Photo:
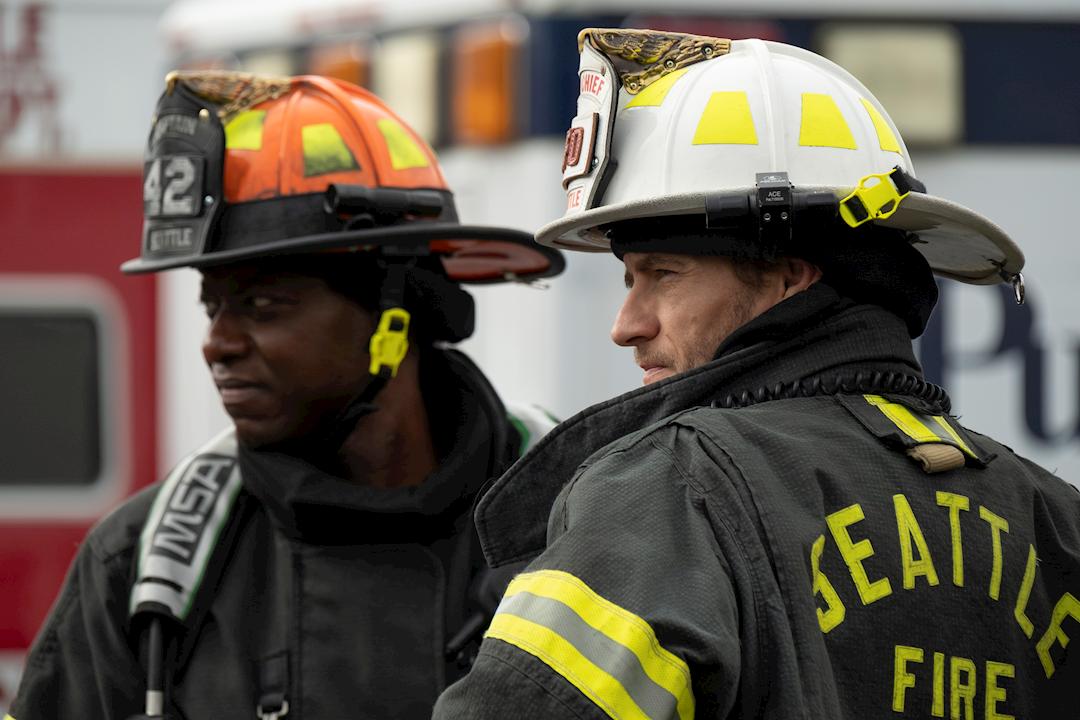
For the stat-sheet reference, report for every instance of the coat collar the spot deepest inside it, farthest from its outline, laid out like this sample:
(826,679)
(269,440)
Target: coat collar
(815,334)
(310,504)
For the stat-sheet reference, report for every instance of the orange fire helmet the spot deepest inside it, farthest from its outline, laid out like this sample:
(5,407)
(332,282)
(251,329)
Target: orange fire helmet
(240,166)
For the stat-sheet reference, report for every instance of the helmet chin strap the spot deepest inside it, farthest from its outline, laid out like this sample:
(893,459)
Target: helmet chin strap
(388,346)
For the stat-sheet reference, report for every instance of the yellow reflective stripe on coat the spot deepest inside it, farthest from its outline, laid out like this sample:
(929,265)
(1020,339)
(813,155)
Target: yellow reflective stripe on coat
(8,717)
(607,652)
(920,428)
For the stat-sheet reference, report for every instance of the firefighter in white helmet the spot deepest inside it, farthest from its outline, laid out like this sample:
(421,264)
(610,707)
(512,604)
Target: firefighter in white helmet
(786,521)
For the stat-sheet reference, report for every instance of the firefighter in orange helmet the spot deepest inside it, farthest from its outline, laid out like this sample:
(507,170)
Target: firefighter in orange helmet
(318,559)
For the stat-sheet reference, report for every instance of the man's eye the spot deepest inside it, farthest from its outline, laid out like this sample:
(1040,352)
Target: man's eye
(261,302)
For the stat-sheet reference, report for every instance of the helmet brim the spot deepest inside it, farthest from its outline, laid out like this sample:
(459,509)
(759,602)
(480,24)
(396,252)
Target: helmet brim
(958,243)
(472,254)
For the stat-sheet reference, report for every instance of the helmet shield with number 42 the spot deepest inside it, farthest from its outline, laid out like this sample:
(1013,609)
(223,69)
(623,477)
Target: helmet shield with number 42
(181,202)
(240,166)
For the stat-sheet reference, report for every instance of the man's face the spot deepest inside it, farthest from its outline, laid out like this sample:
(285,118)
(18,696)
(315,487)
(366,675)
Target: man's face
(285,351)
(679,308)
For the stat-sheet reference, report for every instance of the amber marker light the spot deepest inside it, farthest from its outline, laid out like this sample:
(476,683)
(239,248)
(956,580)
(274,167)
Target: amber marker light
(349,61)
(486,61)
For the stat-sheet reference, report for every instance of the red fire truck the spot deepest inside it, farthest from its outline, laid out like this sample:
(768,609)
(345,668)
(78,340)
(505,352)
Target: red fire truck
(78,375)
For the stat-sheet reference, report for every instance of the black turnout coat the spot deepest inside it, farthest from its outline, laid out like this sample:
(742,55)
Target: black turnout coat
(758,538)
(343,599)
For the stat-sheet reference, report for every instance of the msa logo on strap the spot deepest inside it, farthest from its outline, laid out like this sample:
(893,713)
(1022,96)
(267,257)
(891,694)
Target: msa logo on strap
(190,506)
(185,523)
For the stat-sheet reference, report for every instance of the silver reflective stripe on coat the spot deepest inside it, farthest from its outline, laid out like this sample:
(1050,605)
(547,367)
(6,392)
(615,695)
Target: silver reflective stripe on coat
(606,651)
(608,655)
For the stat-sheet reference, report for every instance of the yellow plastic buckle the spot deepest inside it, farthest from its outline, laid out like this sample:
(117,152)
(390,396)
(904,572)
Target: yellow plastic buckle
(390,341)
(876,198)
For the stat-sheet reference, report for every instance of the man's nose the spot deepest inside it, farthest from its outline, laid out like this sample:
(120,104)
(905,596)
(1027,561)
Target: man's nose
(226,339)
(636,322)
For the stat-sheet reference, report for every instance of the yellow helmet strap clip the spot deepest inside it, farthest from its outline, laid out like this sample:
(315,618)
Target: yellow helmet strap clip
(878,196)
(390,341)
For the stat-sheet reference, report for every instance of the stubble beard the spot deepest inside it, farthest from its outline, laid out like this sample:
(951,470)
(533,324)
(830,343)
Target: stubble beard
(740,312)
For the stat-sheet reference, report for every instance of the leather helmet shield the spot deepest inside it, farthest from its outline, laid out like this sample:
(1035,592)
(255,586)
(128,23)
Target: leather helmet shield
(585,157)
(182,184)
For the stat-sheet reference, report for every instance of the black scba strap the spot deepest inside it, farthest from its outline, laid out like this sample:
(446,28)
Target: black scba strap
(182,175)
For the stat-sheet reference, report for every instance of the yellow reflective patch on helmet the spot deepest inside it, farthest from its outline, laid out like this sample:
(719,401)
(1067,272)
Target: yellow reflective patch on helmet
(653,95)
(885,135)
(245,131)
(822,123)
(405,154)
(726,121)
(325,151)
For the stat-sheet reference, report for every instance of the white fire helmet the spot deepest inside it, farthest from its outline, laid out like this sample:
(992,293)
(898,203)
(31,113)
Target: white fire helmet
(765,140)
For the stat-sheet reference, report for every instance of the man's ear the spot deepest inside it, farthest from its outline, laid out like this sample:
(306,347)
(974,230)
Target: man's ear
(797,275)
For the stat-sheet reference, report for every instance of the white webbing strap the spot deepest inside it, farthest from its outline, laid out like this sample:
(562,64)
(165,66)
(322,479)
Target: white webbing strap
(185,523)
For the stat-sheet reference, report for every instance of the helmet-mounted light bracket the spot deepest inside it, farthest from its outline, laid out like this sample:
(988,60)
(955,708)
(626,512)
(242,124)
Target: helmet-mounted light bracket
(392,203)
(768,215)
